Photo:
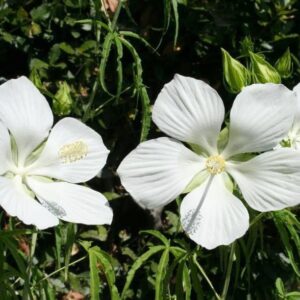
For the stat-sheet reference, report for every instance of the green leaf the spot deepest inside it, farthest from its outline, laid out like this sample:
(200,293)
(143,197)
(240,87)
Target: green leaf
(285,238)
(58,246)
(293,296)
(280,287)
(70,238)
(111,196)
(87,45)
(105,260)
(140,89)
(187,284)
(38,64)
(15,232)
(173,221)
(41,13)
(179,281)
(137,264)
(36,79)
(177,252)
(100,260)
(94,277)
(158,235)
(119,47)
(67,48)
(100,234)
(160,275)
(16,254)
(54,54)
(137,37)
(146,113)
(196,280)
(129,252)
(109,38)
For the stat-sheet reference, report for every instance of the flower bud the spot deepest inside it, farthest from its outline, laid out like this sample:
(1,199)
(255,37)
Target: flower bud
(284,64)
(262,71)
(236,76)
(62,102)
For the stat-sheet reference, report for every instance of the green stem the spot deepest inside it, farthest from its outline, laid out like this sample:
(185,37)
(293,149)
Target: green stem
(256,219)
(27,294)
(60,269)
(86,114)
(116,16)
(228,272)
(205,276)
(104,9)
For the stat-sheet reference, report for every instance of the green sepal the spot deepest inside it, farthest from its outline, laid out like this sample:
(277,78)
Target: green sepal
(223,139)
(197,180)
(14,149)
(35,153)
(242,157)
(228,182)
(43,179)
(28,191)
(198,149)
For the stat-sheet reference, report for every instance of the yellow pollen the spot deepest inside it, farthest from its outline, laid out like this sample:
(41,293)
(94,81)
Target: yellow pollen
(215,164)
(70,153)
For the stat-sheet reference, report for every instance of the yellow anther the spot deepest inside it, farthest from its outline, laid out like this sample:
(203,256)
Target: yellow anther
(215,164)
(73,152)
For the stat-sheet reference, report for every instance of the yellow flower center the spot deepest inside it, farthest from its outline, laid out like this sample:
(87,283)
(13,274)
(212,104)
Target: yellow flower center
(70,153)
(215,164)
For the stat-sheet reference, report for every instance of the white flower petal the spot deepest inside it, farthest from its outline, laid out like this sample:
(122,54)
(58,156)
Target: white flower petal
(73,152)
(17,202)
(270,181)
(72,202)
(296,90)
(294,134)
(191,111)
(212,216)
(260,118)
(157,171)
(26,113)
(6,155)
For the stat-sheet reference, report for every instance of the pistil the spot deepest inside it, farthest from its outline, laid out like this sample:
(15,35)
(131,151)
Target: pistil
(215,164)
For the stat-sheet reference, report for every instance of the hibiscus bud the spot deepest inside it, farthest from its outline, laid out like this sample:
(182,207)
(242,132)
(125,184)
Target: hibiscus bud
(284,64)
(262,71)
(62,102)
(236,76)
(111,5)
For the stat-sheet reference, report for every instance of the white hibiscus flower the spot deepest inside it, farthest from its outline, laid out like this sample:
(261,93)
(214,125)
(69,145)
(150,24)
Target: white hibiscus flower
(294,133)
(189,110)
(37,165)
